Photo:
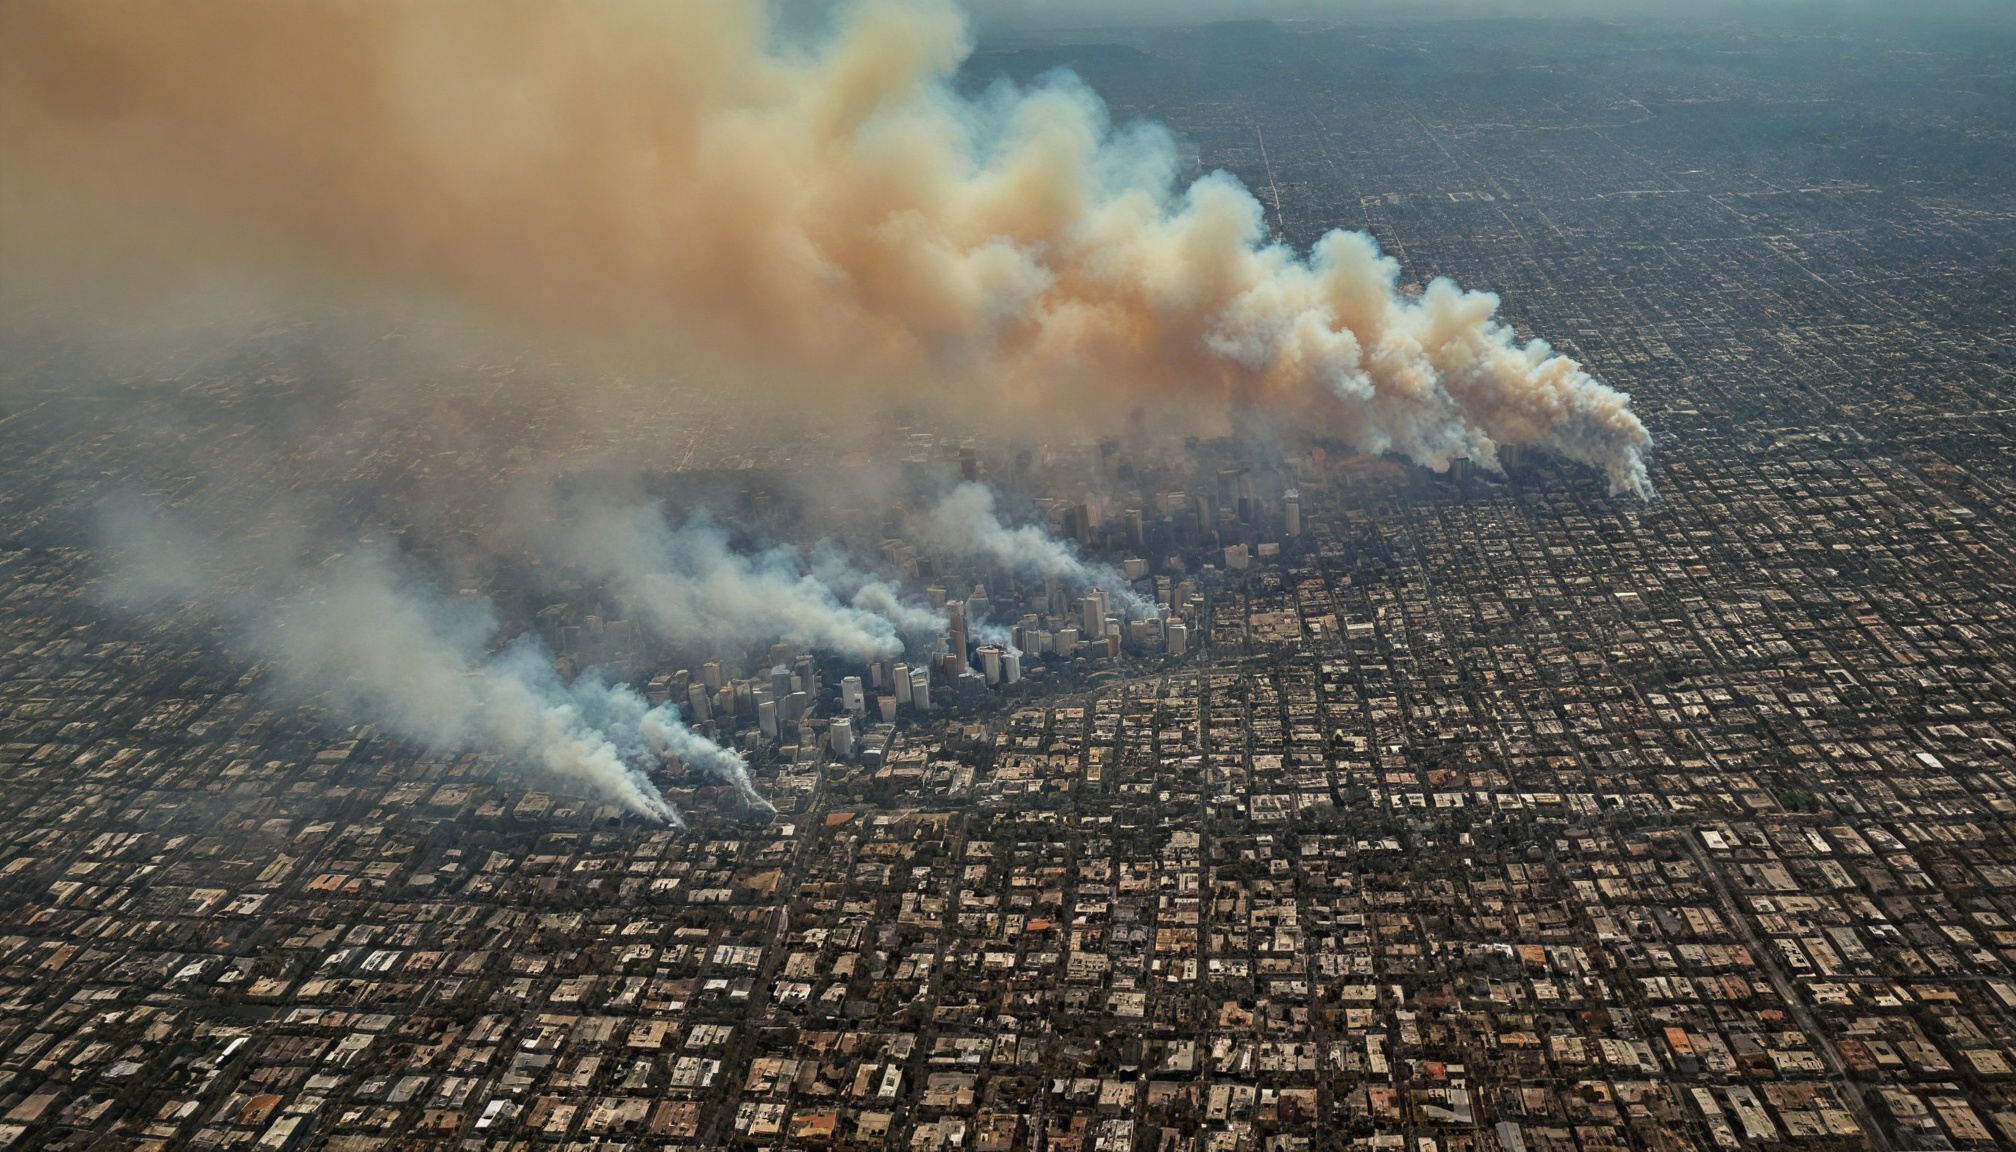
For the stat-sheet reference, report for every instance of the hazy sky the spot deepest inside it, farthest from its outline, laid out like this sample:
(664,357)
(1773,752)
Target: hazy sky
(1008,16)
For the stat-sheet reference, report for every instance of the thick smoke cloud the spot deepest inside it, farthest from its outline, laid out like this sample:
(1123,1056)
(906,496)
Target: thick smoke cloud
(964,522)
(363,637)
(830,224)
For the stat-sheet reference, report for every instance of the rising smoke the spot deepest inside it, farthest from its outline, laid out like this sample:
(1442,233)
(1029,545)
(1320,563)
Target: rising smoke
(665,177)
(811,229)
(965,523)
(361,635)
(689,585)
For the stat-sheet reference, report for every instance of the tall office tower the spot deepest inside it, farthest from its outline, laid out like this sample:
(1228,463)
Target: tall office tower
(711,672)
(780,653)
(1011,666)
(808,676)
(888,707)
(1162,590)
(936,595)
(1293,505)
(766,718)
(1459,469)
(977,605)
(990,663)
(1179,638)
(1066,643)
(954,645)
(900,682)
(841,736)
(920,689)
(851,697)
(1091,617)
(780,681)
(696,700)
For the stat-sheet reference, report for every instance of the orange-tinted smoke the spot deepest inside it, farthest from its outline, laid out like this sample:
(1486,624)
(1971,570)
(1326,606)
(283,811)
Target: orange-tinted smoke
(656,176)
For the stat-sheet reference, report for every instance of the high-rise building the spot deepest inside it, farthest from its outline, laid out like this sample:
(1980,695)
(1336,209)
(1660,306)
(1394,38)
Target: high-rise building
(696,702)
(1293,511)
(1179,638)
(920,689)
(1011,666)
(900,682)
(840,734)
(851,697)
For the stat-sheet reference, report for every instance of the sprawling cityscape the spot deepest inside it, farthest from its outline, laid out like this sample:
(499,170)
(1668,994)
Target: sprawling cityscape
(1372,806)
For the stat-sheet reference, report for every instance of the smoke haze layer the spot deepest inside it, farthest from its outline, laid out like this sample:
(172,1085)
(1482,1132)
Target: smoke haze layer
(829,222)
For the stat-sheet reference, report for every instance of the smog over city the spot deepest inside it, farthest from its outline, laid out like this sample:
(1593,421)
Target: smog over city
(1274,576)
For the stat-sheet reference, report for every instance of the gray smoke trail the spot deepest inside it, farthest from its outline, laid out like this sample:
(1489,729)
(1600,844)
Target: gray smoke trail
(689,585)
(366,640)
(669,735)
(376,647)
(874,595)
(965,523)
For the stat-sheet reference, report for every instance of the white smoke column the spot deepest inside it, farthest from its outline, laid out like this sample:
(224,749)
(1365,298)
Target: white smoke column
(373,646)
(689,585)
(365,640)
(874,595)
(834,227)
(668,734)
(965,523)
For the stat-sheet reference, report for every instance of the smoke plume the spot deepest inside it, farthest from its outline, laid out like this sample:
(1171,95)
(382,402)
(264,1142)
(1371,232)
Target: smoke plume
(689,585)
(670,736)
(832,227)
(965,523)
(360,635)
